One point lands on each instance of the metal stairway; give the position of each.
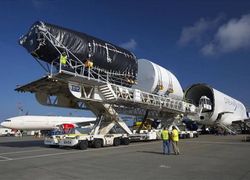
(227, 128)
(107, 92)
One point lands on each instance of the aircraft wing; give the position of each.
(241, 120)
(221, 114)
(247, 120)
(79, 124)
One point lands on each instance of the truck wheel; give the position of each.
(117, 142)
(97, 143)
(83, 145)
(125, 141)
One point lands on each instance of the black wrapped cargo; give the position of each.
(104, 55)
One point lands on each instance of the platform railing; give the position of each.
(76, 67)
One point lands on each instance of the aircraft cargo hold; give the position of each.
(217, 107)
(155, 79)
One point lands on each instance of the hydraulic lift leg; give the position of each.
(143, 121)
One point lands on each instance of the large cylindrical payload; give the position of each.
(224, 109)
(155, 79)
(104, 55)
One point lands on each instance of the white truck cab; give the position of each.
(82, 138)
(6, 132)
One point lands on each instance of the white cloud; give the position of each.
(196, 32)
(208, 49)
(215, 37)
(130, 45)
(232, 36)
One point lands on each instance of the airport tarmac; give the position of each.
(206, 157)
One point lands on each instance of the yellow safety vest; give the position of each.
(63, 59)
(89, 64)
(175, 135)
(164, 135)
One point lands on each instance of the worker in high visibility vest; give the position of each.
(175, 139)
(165, 140)
(89, 64)
(63, 58)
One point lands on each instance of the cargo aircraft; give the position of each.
(216, 108)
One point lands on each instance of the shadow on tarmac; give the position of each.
(154, 152)
(150, 152)
(23, 144)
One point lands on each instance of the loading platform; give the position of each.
(106, 93)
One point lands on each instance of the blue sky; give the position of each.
(199, 41)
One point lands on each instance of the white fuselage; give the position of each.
(225, 109)
(228, 108)
(42, 122)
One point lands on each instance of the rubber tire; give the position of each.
(97, 143)
(117, 142)
(125, 141)
(83, 145)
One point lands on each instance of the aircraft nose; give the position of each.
(6, 123)
(3, 124)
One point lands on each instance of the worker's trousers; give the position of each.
(166, 147)
(175, 148)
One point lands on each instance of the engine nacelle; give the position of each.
(66, 127)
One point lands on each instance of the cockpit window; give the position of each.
(7, 120)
